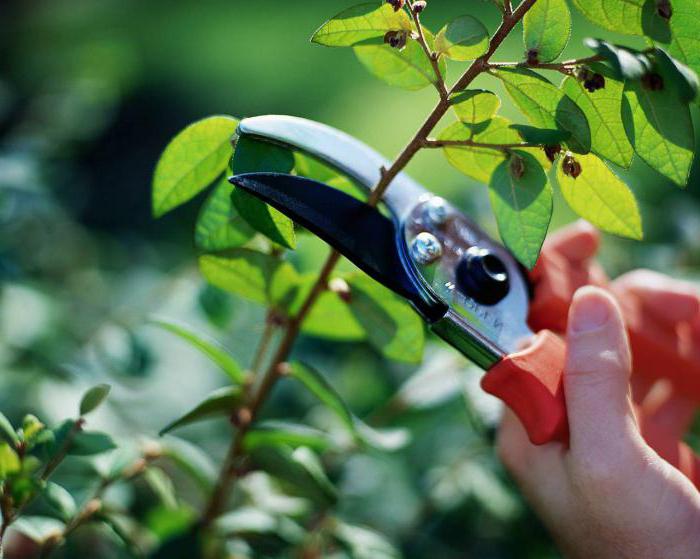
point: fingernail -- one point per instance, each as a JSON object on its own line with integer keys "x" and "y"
{"x": 590, "y": 310}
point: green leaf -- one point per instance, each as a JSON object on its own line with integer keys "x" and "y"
{"x": 677, "y": 75}
{"x": 276, "y": 433}
{"x": 622, "y": 16}
{"x": 191, "y": 162}
{"x": 546, "y": 106}
{"x": 542, "y": 136}
{"x": 191, "y": 460}
{"x": 221, "y": 402}
{"x": 547, "y": 28}
{"x": 522, "y": 206}
{"x": 9, "y": 461}
{"x": 628, "y": 64}
{"x": 364, "y": 543}
{"x": 300, "y": 468}
{"x": 477, "y": 162}
{"x": 7, "y": 431}
{"x": 60, "y": 500}
{"x": 93, "y": 398}
{"x": 408, "y": 68}
{"x": 685, "y": 23}
{"x": 243, "y": 272}
{"x": 211, "y": 348}
{"x": 162, "y": 486}
{"x": 39, "y": 528}
{"x": 252, "y": 156}
{"x": 464, "y": 38}
{"x": 475, "y": 105}
{"x": 31, "y": 428}
{"x": 90, "y": 443}
{"x": 392, "y": 326}
{"x": 660, "y": 129}
{"x": 219, "y": 226}
{"x": 603, "y": 109}
{"x": 600, "y": 197}
{"x": 359, "y": 24}
{"x": 246, "y": 521}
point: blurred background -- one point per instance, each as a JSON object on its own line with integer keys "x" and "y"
{"x": 90, "y": 93}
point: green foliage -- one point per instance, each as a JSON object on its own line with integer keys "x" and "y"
{"x": 521, "y": 197}
{"x": 277, "y": 433}
{"x": 361, "y": 24}
{"x": 475, "y": 105}
{"x": 92, "y": 399}
{"x": 546, "y": 29}
{"x": 219, "y": 225}
{"x": 464, "y": 38}
{"x": 192, "y": 161}
{"x": 219, "y": 403}
{"x": 623, "y": 16}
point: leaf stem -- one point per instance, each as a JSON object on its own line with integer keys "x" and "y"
{"x": 235, "y": 454}
{"x": 432, "y": 55}
{"x": 470, "y": 143}
{"x": 564, "y": 67}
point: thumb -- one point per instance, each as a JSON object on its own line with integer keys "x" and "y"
{"x": 596, "y": 377}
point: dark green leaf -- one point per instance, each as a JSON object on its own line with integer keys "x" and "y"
{"x": 162, "y": 487}
{"x": 522, "y": 206}
{"x": 89, "y": 443}
{"x": 252, "y": 156}
{"x": 545, "y": 137}
{"x": 622, "y": 16}
{"x": 275, "y": 433}
{"x": 547, "y": 28}
{"x": 546, "y": 106}
{"x": 220, "y": 403}
{"x": 392, "y": 326}
{"x": 192, "y": 460}
{"x": 628, "y": 64}
{"x": 246, "y": 521}
{"x": 677, "y": 75}
{"x": 685, "y": 22}
{"x": 219, "y": 226}
{"x": 661, "y": 130}
{"x": 212, "y": 349}
{"x": 60, "y": 500}
{"x": 191, "y": 162}
{"x": 244, "y": 272}
{"x": 300, "y": 468}
{"x": 603, "y": 110}
{"x": 93, "y": 398}
{"x": 600, "y": 197}
{"x": 363, "y": 543}
{"x": 464, "y": 38}
{"x": 360, "y": 24}
{"x": 475, "y": 105}
{"x": 8, "y": 432}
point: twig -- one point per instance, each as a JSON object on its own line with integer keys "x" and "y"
{"x": 234, "y": 457}
{"x": 63, "y": 451}
{"x": 470, "y": 143}
{"x": 564, "y": 67}
{"x": 432, "y": 55}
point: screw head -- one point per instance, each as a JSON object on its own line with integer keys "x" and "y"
{"x": 437, "y": 210}
{"x": 425, "y": 248}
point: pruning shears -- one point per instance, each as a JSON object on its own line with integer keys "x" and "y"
{"x": 469, "y": 289}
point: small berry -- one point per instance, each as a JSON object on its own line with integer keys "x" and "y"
{"x": 652, "y": 82}
{"x": 396, "y": 39}
{"x": 419, "y": 6}
{"x": 517, "y": 167}
{"x": 533, "y": 57}
{"x": 571, "y": 167}
{"x": 552, "y": 151}
{"x": 396, "y": 4}
{"x": 664, "y": 8}
{"x": 594, "y": 82}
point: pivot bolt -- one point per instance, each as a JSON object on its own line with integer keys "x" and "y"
{"x": 437, "y": 210}
{"x": 425, "y": 248}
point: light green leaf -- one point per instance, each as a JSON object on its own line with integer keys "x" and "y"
{"x": 311, "y": 168}
{"x": 622, "y": 16}
{"x": 546, "y": 106}
{"x": 7, "y": 431}
{"x": 219, "y": 225}
{"x": 211, "y": 348}
{"x": 685, "y": 23}
{"x": 162, "y": 486}
{"x": 359, "y": 24}
{"x": 477, "y": 162}
{"x": 364, "y": 543}
{"x": 90, "y": 443}
{"x": 247, "y": 521}
{"x": 660, "y": 129}
{"x": 300, "y": 468}
{"x": 31, "y": 427}
{"x": 542, "y": 136}
{"x": 600, "y": 197}
{"x": 253, "y": 156}
{"x": 192, "y": 161}
{"x": 392, "y": 326}
{"x": 475, "y": 105}
{"x": 464, "y": 38}
{"x": 677, "y": 75}
{"x": 93, "y": 398}
{"x": 243, "y": 272}
{"x": 191, "y": 460}
{"x": 39, "y": 528}
{"x": 408, "y": 68}
{"x": 522, "y": 206}
{"x": 547, "y": 28}
{"x": 60, "y": 500}
{"x": 9, "y": 461}
{"x": 221, "y": 402}
{"x": 603, "y": 110}
{"x": 276, "y": 433}
{"x": 628, "y": 64}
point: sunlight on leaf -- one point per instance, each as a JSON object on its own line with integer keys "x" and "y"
{"x": 359, "y": 24}
{"x": 219, "y": 225}
{"x": 464, "y": 38}
{"x": 547, "y": 28}
{"x": 475, "y": 105}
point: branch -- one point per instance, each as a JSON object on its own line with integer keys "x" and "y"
{"x": 470, "y": 143}
{"x": 564, "y": 67}
{"x": 432, "y": 56}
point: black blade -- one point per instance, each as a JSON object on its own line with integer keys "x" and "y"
{"x": 359, "y": 232}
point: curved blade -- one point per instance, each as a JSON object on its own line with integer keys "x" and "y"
{"x": 359, "y": 232}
